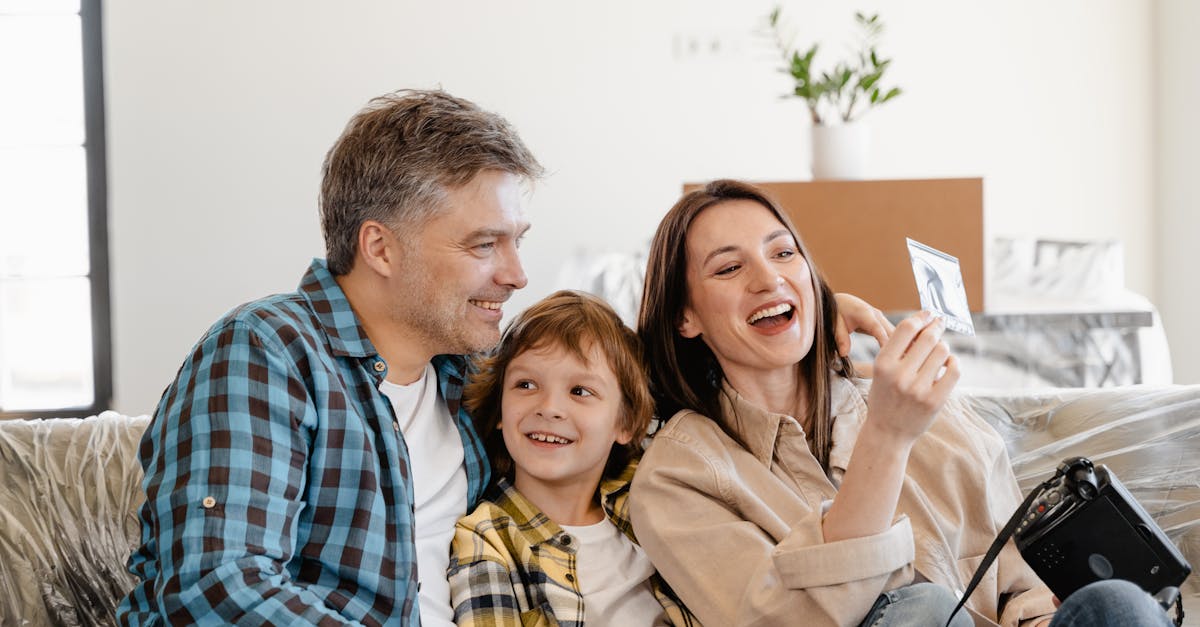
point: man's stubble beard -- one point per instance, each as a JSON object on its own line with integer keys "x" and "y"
{"x": 440, "y": 319}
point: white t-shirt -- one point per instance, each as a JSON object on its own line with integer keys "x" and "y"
{"x": 614, "y": 577}
{"x": 439, "y": 478}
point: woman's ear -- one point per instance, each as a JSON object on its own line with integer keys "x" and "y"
{"x": 687, "y": 326}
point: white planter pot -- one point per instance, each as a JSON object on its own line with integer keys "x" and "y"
{"x": 840, "y": 152}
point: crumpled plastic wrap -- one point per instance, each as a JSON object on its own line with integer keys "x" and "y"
{"x": 69, "y": 493}
{"x": 1149, "y": 436}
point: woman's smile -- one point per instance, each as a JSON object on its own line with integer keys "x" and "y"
{"x": 773, "y": 319}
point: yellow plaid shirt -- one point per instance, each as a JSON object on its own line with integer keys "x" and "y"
{"x": 511, "y": 565}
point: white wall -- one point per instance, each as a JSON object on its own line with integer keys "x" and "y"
{"x": 1178, "y": 153}
{"x": 220, "y": 113}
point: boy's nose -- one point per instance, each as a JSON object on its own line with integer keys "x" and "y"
{"x": 549, "y": 412}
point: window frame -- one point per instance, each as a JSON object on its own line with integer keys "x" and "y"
{"x": 95, "y": 149}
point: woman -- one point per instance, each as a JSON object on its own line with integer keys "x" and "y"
{"x": 750, "y": 502}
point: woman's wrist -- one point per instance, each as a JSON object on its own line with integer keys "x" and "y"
{"x": 880, "y": 436}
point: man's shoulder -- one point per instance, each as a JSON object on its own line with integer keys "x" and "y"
{"x": 274, "y": 311}
{"x": 282, "y": 318}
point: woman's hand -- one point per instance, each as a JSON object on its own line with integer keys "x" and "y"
{"x": 856, "y": 314}
{"x": 910, "y": 384}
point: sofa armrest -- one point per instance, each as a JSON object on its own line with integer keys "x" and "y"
{"x": 68, "y": 502}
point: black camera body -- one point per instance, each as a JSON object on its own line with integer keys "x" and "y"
{"x": 1084, "y": 526}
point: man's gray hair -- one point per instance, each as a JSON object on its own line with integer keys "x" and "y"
{"x": 399, "y": 155}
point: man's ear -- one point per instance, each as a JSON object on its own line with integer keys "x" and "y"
{"x": 687, "y": 325}
{"x": 377, "y": 247}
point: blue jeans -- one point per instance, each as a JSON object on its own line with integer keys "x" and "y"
{"x": 919, "y": 605}
{"x": 1112, "y": 602}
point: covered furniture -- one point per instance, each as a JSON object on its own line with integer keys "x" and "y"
{"x": 70, "y": 489}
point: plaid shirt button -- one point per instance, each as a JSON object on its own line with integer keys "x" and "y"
{"x": 380, "y": 366}
{"x": 209, "y": 502}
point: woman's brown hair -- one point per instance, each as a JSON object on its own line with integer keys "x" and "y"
{"x": 684, "y": 373}
{"x": 574, "y": 321}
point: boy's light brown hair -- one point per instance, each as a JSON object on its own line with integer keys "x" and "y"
{"x": 573, "y": 321}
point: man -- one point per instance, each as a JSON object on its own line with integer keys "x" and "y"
{"x": 311, "y": 458}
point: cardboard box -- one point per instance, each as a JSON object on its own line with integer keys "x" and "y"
{"x": 855, "y": 232}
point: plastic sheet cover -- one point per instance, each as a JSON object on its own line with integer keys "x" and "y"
{"x": 69, "y": 493}
{"x": 1149, "y": 436}
{"x": 70, "y": 489}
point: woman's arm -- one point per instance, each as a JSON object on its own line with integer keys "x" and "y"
{"x": 914, "y": 374}
{"x": 736, "y": 555}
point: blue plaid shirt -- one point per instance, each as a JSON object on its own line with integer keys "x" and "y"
{"x": 277, "y": 481}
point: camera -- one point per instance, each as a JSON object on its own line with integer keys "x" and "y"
{"x": 1083, "y": 526}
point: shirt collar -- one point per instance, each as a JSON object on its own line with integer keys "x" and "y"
{"x": 614, "y": 497}
{"x": 531, "y": 521}
{"x": 760, "y": 429}
{"x": 538, "y": 528}
{"x": 757, "y": 428}
{"x": 333, "y": 311}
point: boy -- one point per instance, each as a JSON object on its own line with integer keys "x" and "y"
{"x": 562, "y": 405}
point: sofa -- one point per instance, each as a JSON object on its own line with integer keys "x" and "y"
{"x": 70, "y": 488}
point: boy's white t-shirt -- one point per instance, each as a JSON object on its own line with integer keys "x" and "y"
{"x": 614, "y": 577}
{"x": 439, "y": 478}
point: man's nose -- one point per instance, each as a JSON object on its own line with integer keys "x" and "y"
{"x": 510, "y": 273}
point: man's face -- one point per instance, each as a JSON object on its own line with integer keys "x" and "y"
{"x": 461, "y": 266}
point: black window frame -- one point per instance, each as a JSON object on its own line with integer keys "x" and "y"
{"x": 95, "y": 149}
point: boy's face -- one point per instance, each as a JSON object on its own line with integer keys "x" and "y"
{"x": 561, "y": 417}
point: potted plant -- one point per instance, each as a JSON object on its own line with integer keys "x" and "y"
{"x": 838, "y": 97}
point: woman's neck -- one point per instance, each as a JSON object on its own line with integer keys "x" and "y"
{"x": 781, "y": 391}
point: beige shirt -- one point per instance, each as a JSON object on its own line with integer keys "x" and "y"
{"x": 737, "y": 531}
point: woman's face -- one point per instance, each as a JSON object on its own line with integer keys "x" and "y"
{"x": 750, "y": 292}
